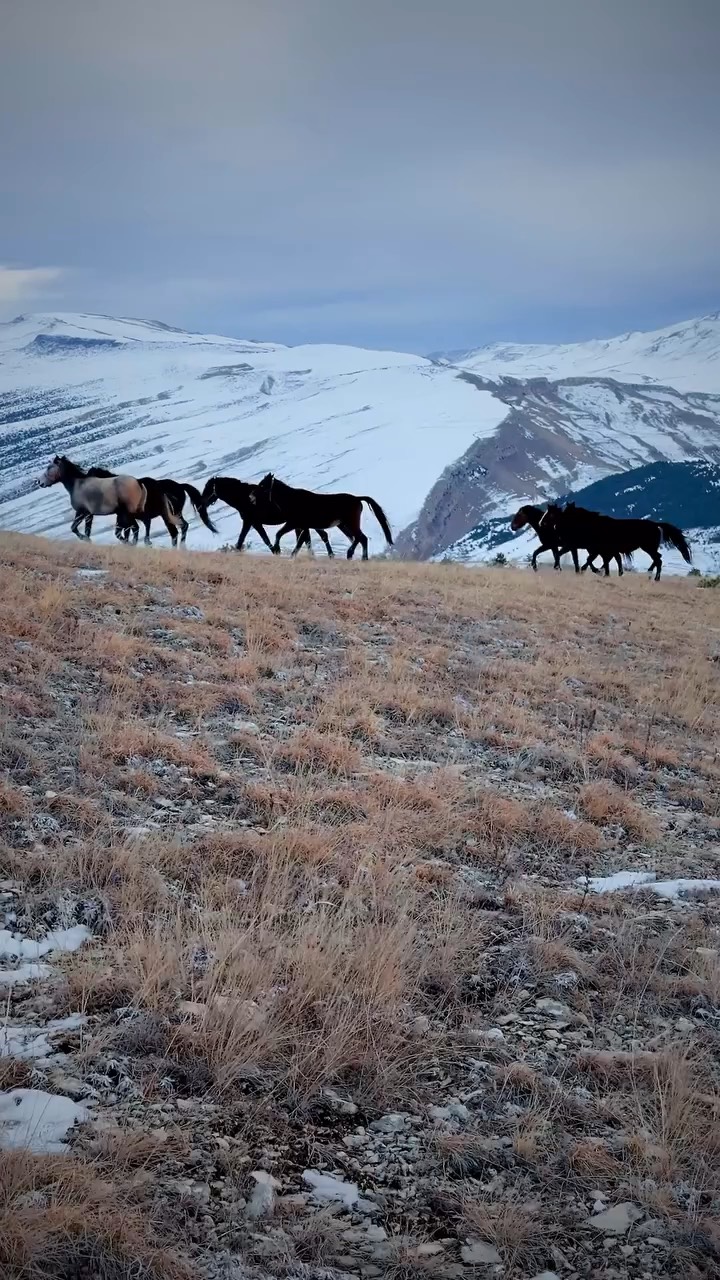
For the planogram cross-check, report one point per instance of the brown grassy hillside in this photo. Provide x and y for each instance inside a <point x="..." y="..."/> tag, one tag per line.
<point x="330" y="826"/>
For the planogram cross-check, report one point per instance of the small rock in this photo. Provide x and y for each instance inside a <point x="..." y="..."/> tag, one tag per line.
<point x="262" y="1201"/>
<point x="684" y="1025"/>
<point x="429" y="1250"/>
<point x="616" y="1220"/>
<point x="421" y="1025"/>
<point x="547" y="1275"/>
<point x="480" y="1254"/>
<point x="342" y="1105"/>
<point x="555" y="1008"/>
<point x="707" y="953"/>
<point x="439" y="1113"/>
<point x="394" y="1122"/>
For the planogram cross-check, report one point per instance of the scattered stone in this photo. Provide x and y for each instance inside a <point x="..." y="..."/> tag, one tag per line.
<point x="344" y="1106"/>
<point x="421" y="1026"/>
<point x="394" y="1122"/>
<point x="555" y="1008"/>
<point x="616" y="1220"/>
<point x="480" y="1254"/>
<point x="262" y="1201"/>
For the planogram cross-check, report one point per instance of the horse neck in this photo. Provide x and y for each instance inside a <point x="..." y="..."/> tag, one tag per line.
<point x="71" y="476"/>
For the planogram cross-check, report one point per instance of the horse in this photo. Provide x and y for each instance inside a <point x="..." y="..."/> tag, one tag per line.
<point x="532" y="516"/>
<point x="322" y="510"/>
<point x="175" y="493"/>
<point x="255" y="512"/>
<point x="97" y="495"/>
<point x="612" y="536"/>
<point x="549" y="542"/>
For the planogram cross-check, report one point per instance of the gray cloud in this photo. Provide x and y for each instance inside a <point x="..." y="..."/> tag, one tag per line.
<point x="406" y="173"/>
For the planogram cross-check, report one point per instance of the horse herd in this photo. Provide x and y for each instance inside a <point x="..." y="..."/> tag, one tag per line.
<point x="572" y="528"/>
<point x="272" y="502"/>
<point x="98" y="492"/>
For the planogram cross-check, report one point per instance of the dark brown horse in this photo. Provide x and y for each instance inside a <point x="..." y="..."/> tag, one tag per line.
<point x="255" y="512"/>
<point x="613" y="537"/>
<point x="158" y="493"/>
<point x="302" y="507"/>
<point x="533" y="516"/>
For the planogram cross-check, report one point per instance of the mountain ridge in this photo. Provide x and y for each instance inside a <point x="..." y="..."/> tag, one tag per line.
<point x="443" y="447"/>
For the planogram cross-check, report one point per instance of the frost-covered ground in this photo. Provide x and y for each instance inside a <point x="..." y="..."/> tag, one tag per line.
<point x="316" y="856"/>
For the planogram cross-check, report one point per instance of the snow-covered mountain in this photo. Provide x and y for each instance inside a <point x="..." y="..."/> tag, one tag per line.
<point x="443" y="447"/>
<point x="157" y="401"/>
<point x="685" y="356"/>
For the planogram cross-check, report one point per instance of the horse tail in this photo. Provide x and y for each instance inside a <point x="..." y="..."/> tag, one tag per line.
<point x="380" y="517"/>
<point x="674" y="537"/>
<point x="199" y="507"/>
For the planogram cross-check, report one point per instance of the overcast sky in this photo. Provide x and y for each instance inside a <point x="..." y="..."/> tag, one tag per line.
<point x="397" y="173"/>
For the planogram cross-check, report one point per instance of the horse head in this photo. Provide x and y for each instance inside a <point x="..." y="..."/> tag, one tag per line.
<point x="209" y="493"/>
<point x="53" y="474"/>
<point x="521" y="518"/>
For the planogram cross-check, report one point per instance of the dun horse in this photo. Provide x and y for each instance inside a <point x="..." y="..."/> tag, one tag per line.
<point x="123" y="496"/>
<point x="613" y="537"/>
<point x="302" y="507"/>
<point x="158" y="492"/>
<point x="549" y="541"/>
<point x="255" y="512"/>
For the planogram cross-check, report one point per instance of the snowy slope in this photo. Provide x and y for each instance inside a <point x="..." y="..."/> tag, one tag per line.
<point x="141" y="397"/>
<point x="685" y="356"/>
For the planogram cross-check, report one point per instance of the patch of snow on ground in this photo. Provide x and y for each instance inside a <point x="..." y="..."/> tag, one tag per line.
<point x="33" y="1120"/>
<point x="23" y="973"/>
<point x="327" y="1187"/>
<point x="18" y="1040"/>
<point x="16" y="947"/>
<point x="675" y="891"/>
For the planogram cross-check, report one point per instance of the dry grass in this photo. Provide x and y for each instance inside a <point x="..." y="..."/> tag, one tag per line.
<point x="61" y="1219"/>
<point x="329" y="820"/>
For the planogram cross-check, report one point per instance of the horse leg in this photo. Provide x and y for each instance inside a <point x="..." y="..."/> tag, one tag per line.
<point x="620" y="566"/>
<point x="259" y="528"/>
<point x="364" y="542"/>
<point x="246" y="527"/>
<point x="184" y="526"/>
<point x="88" y="525"/>
<point x="287" y="528"/>
<point x="80" y="515"/>
<point x="657" y="565"/>
<point x="576" y="562"/>
<point x="322" y="535"/>
<point x="303" y="537"/>
<point x="171" y="528"/>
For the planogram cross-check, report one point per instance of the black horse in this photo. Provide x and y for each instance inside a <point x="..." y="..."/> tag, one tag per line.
<point x="613" y="537"/>
<point x="255" y="512"/>
<point x="301" y="507"/>
<point x="550" y="542"/>
<point x="158" y="492"/>
<point x="532" y="516"/>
